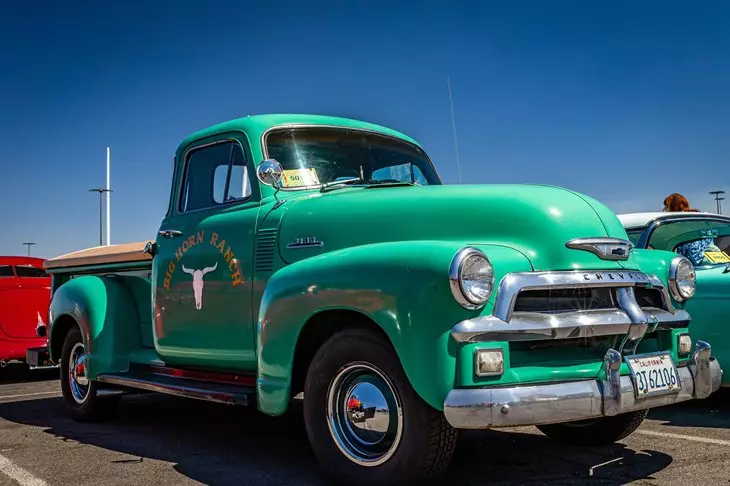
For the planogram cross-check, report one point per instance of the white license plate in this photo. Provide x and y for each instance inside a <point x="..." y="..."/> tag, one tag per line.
<point x="653" y="374"/>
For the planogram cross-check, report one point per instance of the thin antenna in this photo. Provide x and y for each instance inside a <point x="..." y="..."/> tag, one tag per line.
<point x="453" y="124"/>
<point x="108" y="195"/>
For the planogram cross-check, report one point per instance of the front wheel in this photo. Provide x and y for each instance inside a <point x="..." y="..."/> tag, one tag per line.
<point x="365" y="422"/>
<point x="81" y="394"/>
<point x="595" y="432"/>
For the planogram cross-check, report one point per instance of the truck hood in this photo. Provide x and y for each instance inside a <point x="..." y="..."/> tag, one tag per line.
<point x="533" y="219"/>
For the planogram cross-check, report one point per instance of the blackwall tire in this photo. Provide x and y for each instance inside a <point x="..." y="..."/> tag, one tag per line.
<point x="387" y="434"/>
<point x="597" y="432"/>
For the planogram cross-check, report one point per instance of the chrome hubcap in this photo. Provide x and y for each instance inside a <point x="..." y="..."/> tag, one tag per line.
<point x="78" y="381"/>
<point x="364" y="414"/>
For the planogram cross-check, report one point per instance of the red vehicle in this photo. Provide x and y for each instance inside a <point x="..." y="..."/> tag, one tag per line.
<point x="25" y="294"/>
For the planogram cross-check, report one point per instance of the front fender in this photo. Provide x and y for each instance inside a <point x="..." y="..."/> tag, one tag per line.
<point x="106" y="313"/>
<point x="403" y="287"/>
<point x="657" y="262"/>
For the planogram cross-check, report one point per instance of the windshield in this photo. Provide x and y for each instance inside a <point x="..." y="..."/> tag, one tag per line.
<point x="318" y="155"/>
<point x="703" y="242"/>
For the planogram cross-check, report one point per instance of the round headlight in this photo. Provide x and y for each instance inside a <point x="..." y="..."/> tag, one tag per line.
<point x="682" y="281"/>
<point x="472" y="278"/>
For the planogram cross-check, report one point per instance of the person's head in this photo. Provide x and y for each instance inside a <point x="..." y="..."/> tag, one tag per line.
<point x="676" y="202"/>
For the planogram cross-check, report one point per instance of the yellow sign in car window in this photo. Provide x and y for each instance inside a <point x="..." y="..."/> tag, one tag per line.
<point x="717" y="256"/>
<point x="299" y="178"/>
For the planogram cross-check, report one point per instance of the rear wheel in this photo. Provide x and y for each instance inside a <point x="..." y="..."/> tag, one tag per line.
<point x="80" y="394"/>
<point x="595" y="432"/>
<point x="365" y="422"/>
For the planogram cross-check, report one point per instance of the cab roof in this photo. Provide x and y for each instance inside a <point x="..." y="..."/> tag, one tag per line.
<point x="256" y="125"/>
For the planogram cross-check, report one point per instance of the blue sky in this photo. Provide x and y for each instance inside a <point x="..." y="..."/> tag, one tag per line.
<point x="624" y="101"/>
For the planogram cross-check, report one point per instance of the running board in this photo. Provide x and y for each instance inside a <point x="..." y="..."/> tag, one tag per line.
<point x="182" y="387"/>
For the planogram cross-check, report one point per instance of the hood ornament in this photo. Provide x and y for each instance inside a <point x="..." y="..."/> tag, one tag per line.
<point x="604" y="248"/>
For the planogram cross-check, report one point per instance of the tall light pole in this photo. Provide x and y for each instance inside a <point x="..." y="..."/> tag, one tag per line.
<point x="101" y="191"/>
<point x="718" y="199"/>
<point x="108" y="203"/>
<point x="28" y="244"/>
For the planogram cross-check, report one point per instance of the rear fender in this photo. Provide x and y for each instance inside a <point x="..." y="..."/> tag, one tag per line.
<point x="403" y="287"/>
<point x="106" y="313"/>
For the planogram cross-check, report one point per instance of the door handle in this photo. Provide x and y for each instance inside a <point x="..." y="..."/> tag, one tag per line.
<point x="170" y="233"/>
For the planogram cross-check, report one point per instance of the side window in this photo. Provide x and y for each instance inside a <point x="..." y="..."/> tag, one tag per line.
<point x="214" y="175"/>
<point x="28" y="271"/>
<point x="6" y="271"/>
<point x="634" y="236"/>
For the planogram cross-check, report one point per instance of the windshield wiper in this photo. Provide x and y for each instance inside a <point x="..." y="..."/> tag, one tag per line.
<point x="360" y="180"/>
<point x="340" y="183"/>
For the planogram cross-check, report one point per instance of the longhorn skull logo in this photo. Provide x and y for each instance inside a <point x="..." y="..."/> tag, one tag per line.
<point x="198" y="282"/>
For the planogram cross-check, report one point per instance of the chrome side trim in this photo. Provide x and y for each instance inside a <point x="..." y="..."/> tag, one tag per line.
<point x="603" y="248"/>
<point x="482" y="408"/>
<point x="535" y="326"/>
<point x="178" y="389"/>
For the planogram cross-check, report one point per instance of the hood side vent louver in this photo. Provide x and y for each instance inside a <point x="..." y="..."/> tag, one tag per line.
<point x="265" y="249"/>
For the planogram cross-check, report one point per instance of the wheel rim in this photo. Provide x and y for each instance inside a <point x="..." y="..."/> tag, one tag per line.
<point x="364" y="414"/>
<point x="78" y="381"/>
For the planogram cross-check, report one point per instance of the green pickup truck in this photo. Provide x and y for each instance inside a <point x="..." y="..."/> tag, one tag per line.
<point x="323" y="256"/>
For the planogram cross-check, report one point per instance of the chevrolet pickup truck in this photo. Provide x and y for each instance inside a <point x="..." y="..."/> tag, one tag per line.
<point x="323" y="256"/>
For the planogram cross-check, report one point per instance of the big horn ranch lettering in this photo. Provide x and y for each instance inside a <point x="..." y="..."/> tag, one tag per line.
<point x="215" y="241"/>
<point x="229" y="257"/>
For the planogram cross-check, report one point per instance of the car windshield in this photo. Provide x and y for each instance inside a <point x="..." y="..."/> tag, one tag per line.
<point x="30" y="271"/>
<point x="318" y="155"/>
<point x="702" y="241"/>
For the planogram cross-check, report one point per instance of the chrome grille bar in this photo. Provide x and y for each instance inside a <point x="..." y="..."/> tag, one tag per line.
<point x="629" y="320"/>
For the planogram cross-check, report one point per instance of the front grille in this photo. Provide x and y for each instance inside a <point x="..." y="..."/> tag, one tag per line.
<point x="574" y="351"/>
<point x="564" y="300"/>
<point x="647" y="297"/>
<point x="553" y="301"/>
<point x="590" y="349"/>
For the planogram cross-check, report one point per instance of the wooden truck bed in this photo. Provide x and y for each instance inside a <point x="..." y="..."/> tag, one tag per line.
<point x="101" y="255"/>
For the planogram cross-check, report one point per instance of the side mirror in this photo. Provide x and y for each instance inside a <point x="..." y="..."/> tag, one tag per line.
<point x="151" y="248"/>
<point x="269" y="172"/>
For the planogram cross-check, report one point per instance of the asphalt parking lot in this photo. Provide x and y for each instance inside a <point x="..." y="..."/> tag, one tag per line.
<point x="165" y="440"/>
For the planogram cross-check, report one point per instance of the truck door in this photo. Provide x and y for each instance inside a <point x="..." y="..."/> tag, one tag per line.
<point x="203" y="267"/>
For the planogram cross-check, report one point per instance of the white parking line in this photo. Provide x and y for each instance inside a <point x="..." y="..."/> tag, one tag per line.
<point x="668" y="435"/>
<point x="30" y="395"/>
<point x="23" y="477"/>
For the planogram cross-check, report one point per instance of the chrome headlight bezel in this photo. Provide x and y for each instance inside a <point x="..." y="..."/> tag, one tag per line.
<point x="674" y="285"/>
<point x="461" y="295"/>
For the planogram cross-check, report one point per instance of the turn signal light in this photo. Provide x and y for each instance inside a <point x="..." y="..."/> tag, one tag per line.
<point x="685" y="344"/>
<point x="489" y="362"/>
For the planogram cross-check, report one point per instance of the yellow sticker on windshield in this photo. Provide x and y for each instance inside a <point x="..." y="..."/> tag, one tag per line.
<point x="299" y="178"/>
<point x="717" y="256"/>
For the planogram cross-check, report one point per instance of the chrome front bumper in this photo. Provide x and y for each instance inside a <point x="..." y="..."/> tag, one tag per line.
<point x="480" y="408"/>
